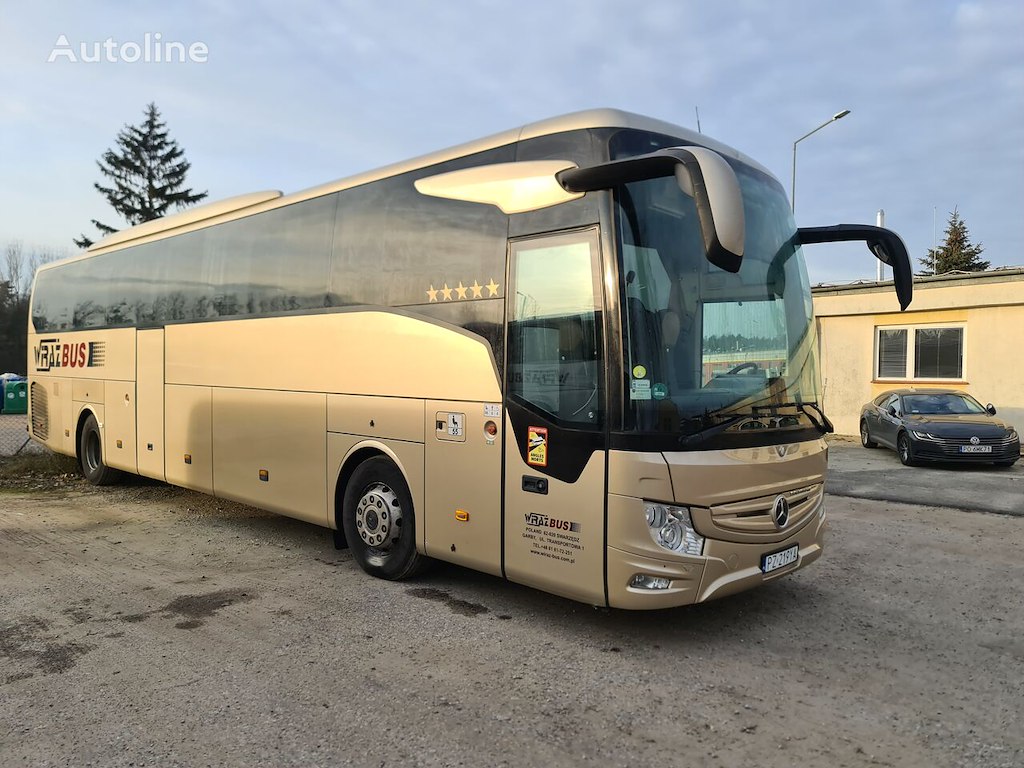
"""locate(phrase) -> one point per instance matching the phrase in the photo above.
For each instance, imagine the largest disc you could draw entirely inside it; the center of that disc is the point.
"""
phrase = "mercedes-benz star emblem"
(975, 440)
(780, 512)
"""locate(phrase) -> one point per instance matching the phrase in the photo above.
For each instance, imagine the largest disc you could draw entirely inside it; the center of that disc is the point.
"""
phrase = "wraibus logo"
(52, 353)
(543, 521)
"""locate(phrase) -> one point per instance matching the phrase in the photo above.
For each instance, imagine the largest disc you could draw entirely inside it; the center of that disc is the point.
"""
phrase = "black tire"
(378, 520)
(865, 436)
(905, 449)
(90, 455)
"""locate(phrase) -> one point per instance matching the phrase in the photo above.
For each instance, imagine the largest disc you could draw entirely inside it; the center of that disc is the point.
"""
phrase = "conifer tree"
(956, 252)
(147, 170)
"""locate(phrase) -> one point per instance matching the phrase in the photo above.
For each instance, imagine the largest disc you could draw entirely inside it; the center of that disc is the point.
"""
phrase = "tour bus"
(579, 355)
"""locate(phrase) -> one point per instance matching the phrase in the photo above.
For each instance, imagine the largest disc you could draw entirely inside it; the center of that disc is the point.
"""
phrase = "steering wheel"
(751, 367)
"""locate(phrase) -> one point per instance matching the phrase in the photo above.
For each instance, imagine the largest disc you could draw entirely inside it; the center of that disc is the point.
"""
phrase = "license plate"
(975, 449)
(777, 560)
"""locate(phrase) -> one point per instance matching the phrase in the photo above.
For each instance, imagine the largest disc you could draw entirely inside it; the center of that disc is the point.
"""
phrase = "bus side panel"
(189, 448)
(463, 484)
(119, 425)
(149, 403)
(270, 450)
(361, 350)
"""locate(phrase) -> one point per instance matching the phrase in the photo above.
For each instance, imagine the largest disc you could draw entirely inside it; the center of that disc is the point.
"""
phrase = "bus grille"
(40, 411)
(753, 517)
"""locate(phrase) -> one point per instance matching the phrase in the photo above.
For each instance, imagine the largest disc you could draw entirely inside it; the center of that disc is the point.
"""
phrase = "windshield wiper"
(802, 407)
(715, 429)
(824, 425)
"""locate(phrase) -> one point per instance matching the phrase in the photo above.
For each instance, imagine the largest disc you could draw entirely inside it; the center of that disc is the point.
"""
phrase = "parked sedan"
(938, 425)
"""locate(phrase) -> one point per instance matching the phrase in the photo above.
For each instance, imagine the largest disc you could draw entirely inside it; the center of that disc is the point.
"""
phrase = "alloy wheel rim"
(379, 517)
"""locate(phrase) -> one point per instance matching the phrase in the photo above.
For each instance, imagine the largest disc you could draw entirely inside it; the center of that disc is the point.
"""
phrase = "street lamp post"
(792, 188)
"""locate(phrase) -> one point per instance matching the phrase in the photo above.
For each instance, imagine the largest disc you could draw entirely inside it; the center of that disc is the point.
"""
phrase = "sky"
(290, 95)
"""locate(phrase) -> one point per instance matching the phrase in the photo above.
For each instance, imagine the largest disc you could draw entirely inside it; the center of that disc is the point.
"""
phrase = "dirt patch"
(30, 641)
(39, 472)
(461, 607)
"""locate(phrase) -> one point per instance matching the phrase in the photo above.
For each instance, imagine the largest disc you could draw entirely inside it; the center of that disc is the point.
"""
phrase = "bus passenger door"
(554, 517)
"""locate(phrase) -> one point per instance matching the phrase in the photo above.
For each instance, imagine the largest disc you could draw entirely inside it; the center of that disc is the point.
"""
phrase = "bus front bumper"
(724, 569)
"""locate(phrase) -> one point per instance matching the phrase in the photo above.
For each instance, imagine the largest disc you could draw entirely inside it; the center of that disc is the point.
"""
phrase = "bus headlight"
(672, 529)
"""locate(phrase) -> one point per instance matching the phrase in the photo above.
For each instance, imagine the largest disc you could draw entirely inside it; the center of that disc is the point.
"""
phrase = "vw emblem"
(780, 512)
(975, 440)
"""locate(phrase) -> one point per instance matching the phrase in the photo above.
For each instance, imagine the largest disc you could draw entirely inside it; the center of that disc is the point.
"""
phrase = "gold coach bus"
(579, 355)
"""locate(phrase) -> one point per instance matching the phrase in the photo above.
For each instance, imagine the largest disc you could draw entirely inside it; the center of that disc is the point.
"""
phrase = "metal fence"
(14, 438)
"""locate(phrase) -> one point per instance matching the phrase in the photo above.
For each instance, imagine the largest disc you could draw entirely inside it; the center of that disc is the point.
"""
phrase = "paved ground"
(152, 626)
(878, 474)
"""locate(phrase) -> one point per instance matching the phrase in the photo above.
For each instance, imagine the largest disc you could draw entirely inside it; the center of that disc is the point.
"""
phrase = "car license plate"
(975, 449)
(777, 560)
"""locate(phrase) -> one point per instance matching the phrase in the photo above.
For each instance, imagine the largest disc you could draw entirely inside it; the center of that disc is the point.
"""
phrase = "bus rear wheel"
(377, 517)
(90, 455)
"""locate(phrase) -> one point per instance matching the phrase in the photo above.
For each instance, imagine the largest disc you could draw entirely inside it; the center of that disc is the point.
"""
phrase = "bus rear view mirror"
(701, 173)
(886, 245)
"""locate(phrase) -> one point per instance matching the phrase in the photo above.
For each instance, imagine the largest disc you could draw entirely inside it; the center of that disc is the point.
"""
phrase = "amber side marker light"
(462, 515)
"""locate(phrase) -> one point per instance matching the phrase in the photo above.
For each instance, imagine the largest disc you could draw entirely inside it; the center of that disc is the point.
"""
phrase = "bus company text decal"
(52, 353)
(553, 538)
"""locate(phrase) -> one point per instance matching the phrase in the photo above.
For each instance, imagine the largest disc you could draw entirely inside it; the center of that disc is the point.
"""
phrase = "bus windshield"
(707, 351)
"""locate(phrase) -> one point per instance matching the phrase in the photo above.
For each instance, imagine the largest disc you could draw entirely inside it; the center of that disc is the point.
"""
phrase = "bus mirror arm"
(700, 173)
(885, 244)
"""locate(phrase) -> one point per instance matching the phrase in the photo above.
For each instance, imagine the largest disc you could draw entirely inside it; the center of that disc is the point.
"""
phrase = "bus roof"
(256, 202)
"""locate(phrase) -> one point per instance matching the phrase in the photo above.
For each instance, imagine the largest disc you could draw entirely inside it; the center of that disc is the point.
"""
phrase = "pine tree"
(956, 252)
(147, 170)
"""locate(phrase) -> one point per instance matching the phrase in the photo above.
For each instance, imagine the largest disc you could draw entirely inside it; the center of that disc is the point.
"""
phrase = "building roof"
(922, 282)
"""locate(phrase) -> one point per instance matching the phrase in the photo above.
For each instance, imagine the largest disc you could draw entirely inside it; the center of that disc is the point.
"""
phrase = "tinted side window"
(581, 147)
(394, 246)
(271, 262)
(445, 259)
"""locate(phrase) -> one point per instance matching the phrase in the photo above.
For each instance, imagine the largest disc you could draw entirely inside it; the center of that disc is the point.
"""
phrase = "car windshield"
(708, 349)
(934, 404)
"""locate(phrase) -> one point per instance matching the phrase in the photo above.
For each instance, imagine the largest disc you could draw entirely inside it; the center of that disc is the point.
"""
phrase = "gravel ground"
(147, 625)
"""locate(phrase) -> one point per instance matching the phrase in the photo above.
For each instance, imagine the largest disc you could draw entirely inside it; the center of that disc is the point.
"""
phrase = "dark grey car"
(938, 425)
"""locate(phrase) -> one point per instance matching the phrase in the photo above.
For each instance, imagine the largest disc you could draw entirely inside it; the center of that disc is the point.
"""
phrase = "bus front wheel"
(90, 455)
(377, 517)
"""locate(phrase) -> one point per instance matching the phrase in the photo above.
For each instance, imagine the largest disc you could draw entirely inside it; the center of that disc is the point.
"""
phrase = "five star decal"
(462, 291)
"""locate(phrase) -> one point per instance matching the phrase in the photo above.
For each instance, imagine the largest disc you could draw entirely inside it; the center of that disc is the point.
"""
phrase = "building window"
(892, 353)
(919, 353)
(939, 353)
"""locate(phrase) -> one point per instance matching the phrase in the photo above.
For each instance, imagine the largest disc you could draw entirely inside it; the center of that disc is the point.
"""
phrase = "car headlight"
(921, 435)
(671, 528)
(1012, 434)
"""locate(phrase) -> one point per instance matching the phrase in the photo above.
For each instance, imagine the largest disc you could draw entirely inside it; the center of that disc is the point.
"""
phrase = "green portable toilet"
(15, 397)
